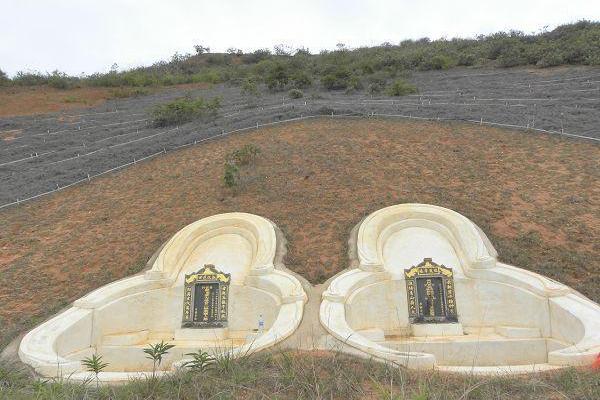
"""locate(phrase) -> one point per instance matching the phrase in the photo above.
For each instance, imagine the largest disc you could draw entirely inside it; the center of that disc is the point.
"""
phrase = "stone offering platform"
(425, 290)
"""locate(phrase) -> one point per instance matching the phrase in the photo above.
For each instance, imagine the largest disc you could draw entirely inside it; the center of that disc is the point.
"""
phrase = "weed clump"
(184, 109)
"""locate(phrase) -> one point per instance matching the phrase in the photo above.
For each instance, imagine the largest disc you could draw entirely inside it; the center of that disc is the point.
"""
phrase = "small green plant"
(296, 94)
(184, 109)
(156, 352)
(201, 361)
(401, 88)
(231, 175)
(94, 364)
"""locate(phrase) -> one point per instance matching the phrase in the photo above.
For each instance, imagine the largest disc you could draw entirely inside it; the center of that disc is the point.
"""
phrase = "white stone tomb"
(497, 317)
(118, 320)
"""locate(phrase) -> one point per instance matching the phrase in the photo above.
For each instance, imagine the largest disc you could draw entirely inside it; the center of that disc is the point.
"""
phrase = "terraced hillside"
(42, 153)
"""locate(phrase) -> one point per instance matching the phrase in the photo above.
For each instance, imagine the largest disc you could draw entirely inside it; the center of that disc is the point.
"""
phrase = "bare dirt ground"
(536, 196)
(39, 153)
(44, 99)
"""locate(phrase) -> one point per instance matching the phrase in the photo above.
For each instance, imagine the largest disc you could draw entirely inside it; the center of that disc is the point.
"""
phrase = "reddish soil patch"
(42, 99)
(29, 100)
(536, 196)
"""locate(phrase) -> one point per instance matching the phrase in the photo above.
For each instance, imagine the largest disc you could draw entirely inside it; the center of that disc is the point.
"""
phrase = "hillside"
(532, 194)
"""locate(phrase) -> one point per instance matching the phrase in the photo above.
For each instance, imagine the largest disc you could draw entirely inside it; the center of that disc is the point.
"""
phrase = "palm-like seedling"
(201, 361)
(156, 352)
(94, 364)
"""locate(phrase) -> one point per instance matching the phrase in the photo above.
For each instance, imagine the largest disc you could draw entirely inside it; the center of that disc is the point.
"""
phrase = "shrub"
(401, 88)
(257, 56)
(440, 61)
(295, 94)
(511, 57)
(377, 82)
(301, 80)
(354, 84)
(466, 59)
(59, 80)
(249, 87)
(375, 88)
(277, 77)
(184, 109)
(200, 49)
(30, 78)
(232, 51)
(550, 60)
(337, 79)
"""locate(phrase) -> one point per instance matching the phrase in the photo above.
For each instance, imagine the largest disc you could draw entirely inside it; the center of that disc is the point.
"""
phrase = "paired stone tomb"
(425, 290)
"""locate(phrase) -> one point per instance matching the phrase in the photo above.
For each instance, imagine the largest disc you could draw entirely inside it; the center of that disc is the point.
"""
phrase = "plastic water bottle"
(261, 324)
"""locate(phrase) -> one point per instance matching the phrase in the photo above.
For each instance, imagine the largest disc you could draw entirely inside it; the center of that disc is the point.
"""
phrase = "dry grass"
(536, 196)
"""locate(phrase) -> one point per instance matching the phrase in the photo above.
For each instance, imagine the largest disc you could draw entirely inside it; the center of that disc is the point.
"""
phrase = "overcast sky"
(88, 36)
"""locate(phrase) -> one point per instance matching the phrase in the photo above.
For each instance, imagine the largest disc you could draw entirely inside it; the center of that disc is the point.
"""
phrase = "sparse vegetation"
(125, 92)
(350, 69)
(304, 375)
(236, 159)
(184, 109)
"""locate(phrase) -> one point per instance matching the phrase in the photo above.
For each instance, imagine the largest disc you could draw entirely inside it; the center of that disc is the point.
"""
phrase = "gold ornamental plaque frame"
(205, 298)
(430, 292)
